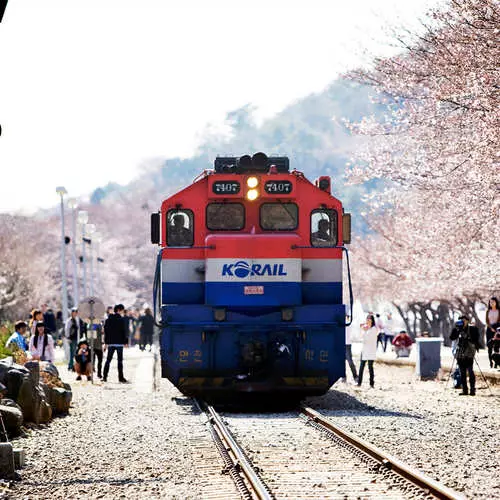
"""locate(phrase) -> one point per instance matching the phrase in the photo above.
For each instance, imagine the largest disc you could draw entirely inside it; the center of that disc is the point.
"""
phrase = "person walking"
(146, 328)
(41, 345)
(379, 324)
(115, 338)
(388, 334)
(492, 323)
(468, 343)
(369, 349)
(49, 319)
(74, 331)
(348, 353)
(97, 335)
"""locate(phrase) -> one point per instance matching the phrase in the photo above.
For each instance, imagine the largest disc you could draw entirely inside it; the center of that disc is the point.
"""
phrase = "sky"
(91, 89)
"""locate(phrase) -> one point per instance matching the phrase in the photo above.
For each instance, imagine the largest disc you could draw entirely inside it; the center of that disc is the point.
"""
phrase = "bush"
(6, 330)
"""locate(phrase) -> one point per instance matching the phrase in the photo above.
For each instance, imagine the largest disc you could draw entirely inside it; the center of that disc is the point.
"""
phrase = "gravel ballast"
(122, 442)
(125, 441)
(427, 424)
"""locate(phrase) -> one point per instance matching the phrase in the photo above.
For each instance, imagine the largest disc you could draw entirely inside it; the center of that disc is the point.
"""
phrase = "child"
(83, 363)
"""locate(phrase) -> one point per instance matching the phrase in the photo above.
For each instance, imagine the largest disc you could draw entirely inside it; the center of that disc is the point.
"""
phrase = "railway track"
(303, 455)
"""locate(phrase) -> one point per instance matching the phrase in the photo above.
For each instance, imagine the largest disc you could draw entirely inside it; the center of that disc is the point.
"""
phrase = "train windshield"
(279, 216)
(225, 216)
(180, 228)
(323, 228)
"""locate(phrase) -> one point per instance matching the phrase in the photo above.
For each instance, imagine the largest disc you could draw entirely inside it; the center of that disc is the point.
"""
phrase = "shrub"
(6, 330)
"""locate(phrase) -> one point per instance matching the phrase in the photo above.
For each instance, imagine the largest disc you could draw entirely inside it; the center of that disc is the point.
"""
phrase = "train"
(248, 287)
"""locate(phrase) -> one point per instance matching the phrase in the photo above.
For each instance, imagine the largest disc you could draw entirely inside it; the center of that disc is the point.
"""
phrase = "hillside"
(309, 131)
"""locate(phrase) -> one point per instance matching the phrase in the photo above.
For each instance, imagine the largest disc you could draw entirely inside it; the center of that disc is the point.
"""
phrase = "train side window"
(225, 216)
(180, 228)
(323, 228)
(279, 216)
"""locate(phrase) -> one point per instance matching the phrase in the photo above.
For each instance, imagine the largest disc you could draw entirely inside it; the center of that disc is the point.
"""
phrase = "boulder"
(12, 418)
(60, 400)
(29, 400)
(9, 402)
(7, 468)
(45, 412)
(14, 380)
(6, 365)
(46, 366)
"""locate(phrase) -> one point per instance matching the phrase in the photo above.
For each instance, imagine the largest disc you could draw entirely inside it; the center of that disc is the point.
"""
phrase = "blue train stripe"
(321, 293)
(234, 293)
(183, 293)
(250, 293)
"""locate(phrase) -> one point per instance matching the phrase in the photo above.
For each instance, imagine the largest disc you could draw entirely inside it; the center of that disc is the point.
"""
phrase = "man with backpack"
(467, 337)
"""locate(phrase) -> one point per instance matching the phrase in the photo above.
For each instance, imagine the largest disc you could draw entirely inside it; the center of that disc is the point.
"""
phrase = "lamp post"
(90, 230)
(83, 218)
(73, 204)
(61, 191)
(97, 239)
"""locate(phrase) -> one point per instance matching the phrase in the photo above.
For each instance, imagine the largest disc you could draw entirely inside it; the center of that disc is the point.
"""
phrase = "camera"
(460, 323)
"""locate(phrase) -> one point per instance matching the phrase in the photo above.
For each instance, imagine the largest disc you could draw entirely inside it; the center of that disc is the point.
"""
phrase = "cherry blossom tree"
(435, 229)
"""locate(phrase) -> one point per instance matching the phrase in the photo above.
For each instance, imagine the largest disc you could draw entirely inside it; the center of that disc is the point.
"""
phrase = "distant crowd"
(84, 344)
(377, 331)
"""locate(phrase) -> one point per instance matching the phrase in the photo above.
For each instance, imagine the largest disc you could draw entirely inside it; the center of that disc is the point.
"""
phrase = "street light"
(97, 239)
(90, 229)
(61, 191)
(73, 205)
(83, 218)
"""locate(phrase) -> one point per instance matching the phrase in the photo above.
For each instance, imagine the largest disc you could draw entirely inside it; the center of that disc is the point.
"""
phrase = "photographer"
(467, 345)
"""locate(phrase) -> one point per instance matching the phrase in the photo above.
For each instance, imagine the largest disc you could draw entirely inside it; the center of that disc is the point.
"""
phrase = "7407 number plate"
(254, 290)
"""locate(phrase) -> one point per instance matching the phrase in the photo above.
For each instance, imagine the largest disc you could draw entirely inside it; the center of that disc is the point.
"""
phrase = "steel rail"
(412, 475)
(261, 490)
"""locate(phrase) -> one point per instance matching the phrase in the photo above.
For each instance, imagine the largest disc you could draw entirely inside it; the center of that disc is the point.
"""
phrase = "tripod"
(455, 362)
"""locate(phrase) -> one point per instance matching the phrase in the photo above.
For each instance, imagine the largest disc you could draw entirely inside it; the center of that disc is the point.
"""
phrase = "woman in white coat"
(369, 351)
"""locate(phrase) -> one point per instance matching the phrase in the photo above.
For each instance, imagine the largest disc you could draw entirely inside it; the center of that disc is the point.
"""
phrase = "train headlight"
(252, 182)
(252, 194)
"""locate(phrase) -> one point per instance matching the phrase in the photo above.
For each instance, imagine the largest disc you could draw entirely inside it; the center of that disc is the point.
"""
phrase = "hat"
(83, 341)
(74, 309)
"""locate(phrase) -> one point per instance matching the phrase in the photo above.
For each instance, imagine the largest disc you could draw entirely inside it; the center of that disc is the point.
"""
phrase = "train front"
(249, 281)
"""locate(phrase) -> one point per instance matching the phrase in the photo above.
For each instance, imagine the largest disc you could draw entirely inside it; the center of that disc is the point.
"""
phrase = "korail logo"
(242, 269)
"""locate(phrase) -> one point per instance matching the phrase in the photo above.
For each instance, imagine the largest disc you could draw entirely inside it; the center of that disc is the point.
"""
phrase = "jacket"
(115, 330)
(369, 350)
(147, 324)
(468, 341)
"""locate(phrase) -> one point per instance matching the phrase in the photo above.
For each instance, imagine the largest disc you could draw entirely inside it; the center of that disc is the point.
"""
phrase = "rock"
(14, 380)
(7, 470)
(3, 390)
(28, 400)
(7, 364)
(12, 418)
(46, 366)
(45, 412)
(60, 399)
